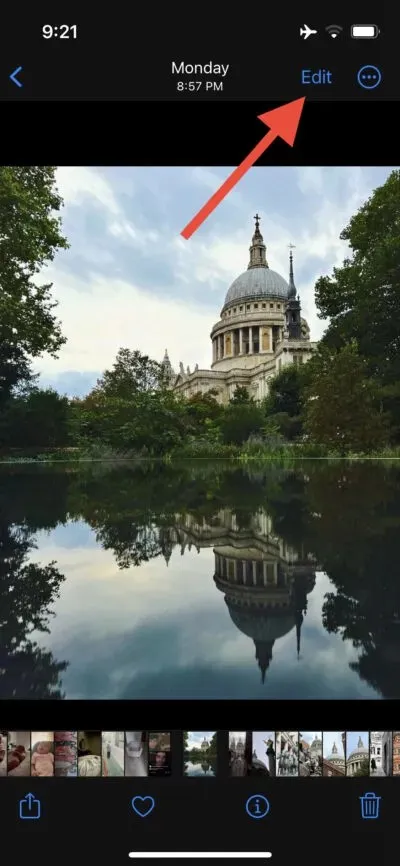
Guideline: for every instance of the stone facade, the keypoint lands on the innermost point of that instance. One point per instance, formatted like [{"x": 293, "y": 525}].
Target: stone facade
[
  {"x": 259, "y": 332},
  {"x": 396, "y": 753}
]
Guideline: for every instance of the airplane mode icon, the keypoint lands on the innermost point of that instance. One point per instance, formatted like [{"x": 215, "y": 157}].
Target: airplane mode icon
[{"x": 306, "y": 31}]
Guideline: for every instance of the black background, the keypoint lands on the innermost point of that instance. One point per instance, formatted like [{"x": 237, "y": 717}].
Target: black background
[
  {"x": 194, "y": 134},
  {"x": 196, "y": 715}
]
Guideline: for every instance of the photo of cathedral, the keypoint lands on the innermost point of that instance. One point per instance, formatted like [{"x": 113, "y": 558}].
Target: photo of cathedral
[
  {"x": 357, "y": 753},
  {"x": 334, "y": 753},
  {"x": 260, "y": 330}
]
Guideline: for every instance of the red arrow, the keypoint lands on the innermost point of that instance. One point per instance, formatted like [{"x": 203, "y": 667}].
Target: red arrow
[{"x": 283, "y": 123}]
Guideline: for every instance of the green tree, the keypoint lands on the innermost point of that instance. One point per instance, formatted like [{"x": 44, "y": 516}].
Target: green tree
[
  {"x": 132, "y": 373},
  {"x": 342, "y": 409},
  {"x": 241, "y": 396},
  {"x": 285, "y": 400},
  {"x": 213, "y": 745},
  {"x": 241, "y": 420},
  {"x": 362, "y": 299},
  {"x": 39, "y": 419},
  {"x": 15, "y": 371},
  {"x": 200, "y": 409},
  {"x": 286, "y": 392},
  {"x": 30, "y": 235}
]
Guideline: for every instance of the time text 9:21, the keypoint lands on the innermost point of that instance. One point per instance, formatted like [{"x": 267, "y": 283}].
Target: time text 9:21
[{"x": 60, "y": 31}]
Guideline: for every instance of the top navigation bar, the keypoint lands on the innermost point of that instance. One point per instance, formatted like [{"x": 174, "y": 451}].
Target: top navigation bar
[{"x": 103, "y": 60}]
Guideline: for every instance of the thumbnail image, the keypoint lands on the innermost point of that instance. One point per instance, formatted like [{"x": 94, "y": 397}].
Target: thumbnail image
[
  {"x": 263, "y": 759},
  {"x": 334, "y": 753},
  {"x": 42, "y": 754},
  {"x": 396, "y": 753},
  {"x": 239, "y": 753},
  {"x": 113, "y": 753},
  {"x": 3, "y": 753},
  {"x": 66, "y": 753},
  {"x": 159, "y": 754},
  {"x": 200, "y": 753},
  {"x": 381, "y": 753},
  {"x": 287, "y": 753},
  {"x": 357, "y": 753},
  {"x": 89, "y": 754},
  {"x": 19, "y": 753},
  {"x": 310, "y": 754},
  {"x": 136, "y": 753}
]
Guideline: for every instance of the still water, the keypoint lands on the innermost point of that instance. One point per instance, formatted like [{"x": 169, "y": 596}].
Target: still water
[
  {"x": 200, "y": 580},
  {"x": 196, "y": 768}
]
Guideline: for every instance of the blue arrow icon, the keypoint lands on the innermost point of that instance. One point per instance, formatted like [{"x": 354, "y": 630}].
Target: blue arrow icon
[
  {"x": 13, "y": 76},
  {"x": 30, "y": 808}
]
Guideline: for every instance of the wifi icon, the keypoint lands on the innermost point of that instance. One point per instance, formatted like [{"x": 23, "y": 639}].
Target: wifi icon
[{"x": 334, "y": 30}]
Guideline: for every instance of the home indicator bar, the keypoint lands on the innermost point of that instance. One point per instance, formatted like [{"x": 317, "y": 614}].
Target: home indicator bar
[{"x": 200, "y": 855}]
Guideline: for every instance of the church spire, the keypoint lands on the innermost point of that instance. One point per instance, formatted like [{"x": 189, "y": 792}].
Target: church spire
[
  {"x": 167, "y": 367},
  {"x": 258, "y": 248},
  {"x": 292, "y": 288},
  {"x": 299, "y": 623},
  {"x": 263, "y": 656}
]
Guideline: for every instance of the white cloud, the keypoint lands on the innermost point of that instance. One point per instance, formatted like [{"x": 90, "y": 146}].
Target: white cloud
[
  {"x": 111, "y": 314},
  {"x": 76, "y": 184}
]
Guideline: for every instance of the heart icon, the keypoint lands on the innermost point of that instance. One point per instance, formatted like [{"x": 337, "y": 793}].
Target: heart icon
[{"x": 143, "y": 806}]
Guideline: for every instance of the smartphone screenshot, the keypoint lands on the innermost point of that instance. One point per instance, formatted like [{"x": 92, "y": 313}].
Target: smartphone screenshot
[{"x": 199, "y": 435}]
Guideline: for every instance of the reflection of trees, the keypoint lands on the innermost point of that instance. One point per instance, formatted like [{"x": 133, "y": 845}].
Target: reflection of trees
[
  {"x": 352, "y": 525},
  {"x": 346, "y": 515},
  {"x": 26, "y": 592},
  {"x": 131, "y": 508}
]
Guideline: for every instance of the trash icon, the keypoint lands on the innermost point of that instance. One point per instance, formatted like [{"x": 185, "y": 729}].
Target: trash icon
[{"x": 370, "y": 805}]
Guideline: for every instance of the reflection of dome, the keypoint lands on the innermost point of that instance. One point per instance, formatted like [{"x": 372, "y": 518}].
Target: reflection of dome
[
  {"x": 266, "y": 599},
  {"x": 257, "y": 282},
  {"x": 257, "y": 624}
]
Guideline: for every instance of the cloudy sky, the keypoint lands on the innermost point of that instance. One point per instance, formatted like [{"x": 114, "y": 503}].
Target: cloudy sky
[
  {"x": 331, "y": 738},
  {"x": 309, "y": 736},
  {"x": 196, "y": 738},
  {"x": 352, "y": 738},
  {"x": 165, "y": 633},
  {"x": 130, "y": 280}
]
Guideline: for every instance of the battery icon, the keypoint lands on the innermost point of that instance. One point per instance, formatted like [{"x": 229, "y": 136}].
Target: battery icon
[{"x": 364, "y": 31}]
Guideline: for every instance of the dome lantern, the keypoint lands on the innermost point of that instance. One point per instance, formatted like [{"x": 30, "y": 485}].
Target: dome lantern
[{"x": 258, "y": 248}]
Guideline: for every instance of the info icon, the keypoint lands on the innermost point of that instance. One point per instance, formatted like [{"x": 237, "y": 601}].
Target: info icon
[
  {"x": 257, "y": 806},
  {"x": 369, "y": 77}
]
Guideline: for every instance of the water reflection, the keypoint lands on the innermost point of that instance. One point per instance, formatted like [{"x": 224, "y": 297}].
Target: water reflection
[
  {"x": 112, "y": 578},
  {"x": 264, "y": 581}
]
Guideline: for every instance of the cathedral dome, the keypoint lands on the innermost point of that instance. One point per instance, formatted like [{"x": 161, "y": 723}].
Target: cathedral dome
[
  {"x": 257, "y": 282},
  {"x": 360, "y": 752}
]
